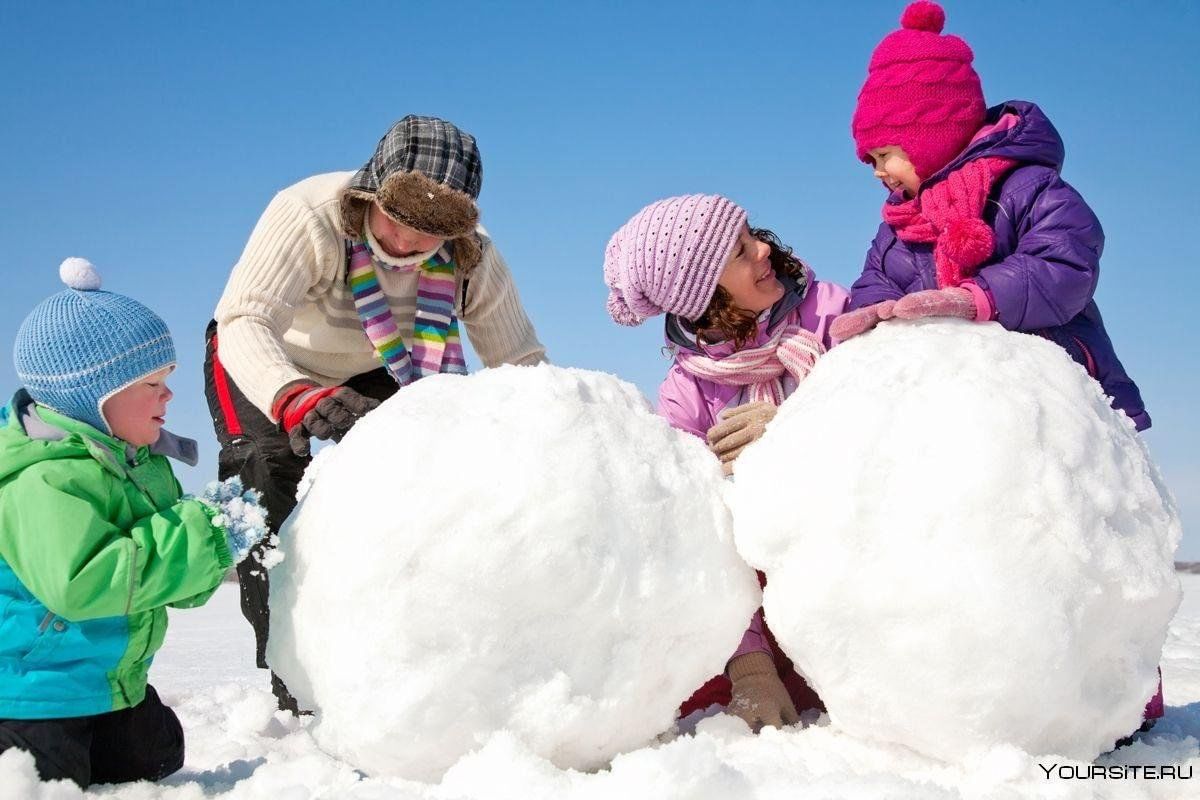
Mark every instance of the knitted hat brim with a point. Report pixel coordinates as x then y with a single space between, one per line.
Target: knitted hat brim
720 243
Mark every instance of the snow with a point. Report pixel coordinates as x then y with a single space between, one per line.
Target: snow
528 550
984 557
239 748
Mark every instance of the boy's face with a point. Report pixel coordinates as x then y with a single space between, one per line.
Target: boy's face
136 413
895 170
397 240
748 275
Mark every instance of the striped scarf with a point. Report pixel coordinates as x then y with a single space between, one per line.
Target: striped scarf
791 350
436 344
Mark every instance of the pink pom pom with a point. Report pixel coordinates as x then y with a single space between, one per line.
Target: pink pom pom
924 16
966 243
621 313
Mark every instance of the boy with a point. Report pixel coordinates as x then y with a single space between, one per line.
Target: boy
95 539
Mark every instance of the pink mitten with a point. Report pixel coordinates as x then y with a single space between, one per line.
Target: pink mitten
950 302
847 326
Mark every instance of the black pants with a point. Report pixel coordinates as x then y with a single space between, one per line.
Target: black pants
257 449
140 743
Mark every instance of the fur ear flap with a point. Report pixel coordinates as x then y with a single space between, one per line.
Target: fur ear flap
468 251
353 205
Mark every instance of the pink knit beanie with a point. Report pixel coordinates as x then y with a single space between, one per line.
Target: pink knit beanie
921 93
669 256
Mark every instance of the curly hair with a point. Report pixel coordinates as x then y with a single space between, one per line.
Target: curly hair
722 320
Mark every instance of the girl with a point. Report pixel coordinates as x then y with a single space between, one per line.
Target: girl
978 223
746 320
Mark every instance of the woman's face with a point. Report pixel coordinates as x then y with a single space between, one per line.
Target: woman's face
398 240
748 275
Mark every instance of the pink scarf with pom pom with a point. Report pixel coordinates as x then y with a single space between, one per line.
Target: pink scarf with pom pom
950 214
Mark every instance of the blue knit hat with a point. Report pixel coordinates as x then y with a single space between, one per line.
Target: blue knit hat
79 347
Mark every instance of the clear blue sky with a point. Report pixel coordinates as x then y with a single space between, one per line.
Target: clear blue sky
148 137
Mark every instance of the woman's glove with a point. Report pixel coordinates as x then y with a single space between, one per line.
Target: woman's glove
849 325
738 429
950 302
759 696
239 512
307 410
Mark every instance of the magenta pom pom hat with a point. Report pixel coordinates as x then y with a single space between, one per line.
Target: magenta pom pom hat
921 93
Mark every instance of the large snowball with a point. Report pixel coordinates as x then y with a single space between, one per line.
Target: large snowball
526 549
975 548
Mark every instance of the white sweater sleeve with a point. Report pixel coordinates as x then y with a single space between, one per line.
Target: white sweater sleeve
285 256
494 318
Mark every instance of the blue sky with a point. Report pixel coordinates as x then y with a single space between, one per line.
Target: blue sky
148 137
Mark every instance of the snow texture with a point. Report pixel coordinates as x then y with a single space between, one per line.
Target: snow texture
528 551
981 555
240 748
240 513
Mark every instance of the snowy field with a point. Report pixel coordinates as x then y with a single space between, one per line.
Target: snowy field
239 747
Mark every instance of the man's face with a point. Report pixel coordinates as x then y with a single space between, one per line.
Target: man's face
397 240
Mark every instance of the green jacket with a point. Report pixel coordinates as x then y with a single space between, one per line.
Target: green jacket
95 542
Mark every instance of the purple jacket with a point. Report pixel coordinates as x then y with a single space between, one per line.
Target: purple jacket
692 404
1042 276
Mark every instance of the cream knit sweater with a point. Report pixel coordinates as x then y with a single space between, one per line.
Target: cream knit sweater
287 313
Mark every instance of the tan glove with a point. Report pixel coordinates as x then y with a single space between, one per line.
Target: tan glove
759 697
739 428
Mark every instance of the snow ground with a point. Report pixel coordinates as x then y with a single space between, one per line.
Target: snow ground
239 747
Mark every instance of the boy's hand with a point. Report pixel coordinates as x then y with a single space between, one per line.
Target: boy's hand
326 413
738 429
847 326
240 513
949 302
759 696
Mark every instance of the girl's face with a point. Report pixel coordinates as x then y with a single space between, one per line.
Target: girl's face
748 275
397 240
895 170
136 413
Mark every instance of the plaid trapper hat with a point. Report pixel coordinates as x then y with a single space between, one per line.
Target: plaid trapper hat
425 173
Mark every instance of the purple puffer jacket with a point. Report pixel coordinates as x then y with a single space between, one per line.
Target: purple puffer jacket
1043 273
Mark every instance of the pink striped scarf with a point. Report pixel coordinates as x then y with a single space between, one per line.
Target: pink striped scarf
791 350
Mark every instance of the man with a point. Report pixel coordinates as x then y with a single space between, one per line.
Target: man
342 272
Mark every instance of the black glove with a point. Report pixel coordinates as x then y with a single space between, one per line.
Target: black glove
326 413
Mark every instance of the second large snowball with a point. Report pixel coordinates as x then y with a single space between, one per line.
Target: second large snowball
976 549
526 549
